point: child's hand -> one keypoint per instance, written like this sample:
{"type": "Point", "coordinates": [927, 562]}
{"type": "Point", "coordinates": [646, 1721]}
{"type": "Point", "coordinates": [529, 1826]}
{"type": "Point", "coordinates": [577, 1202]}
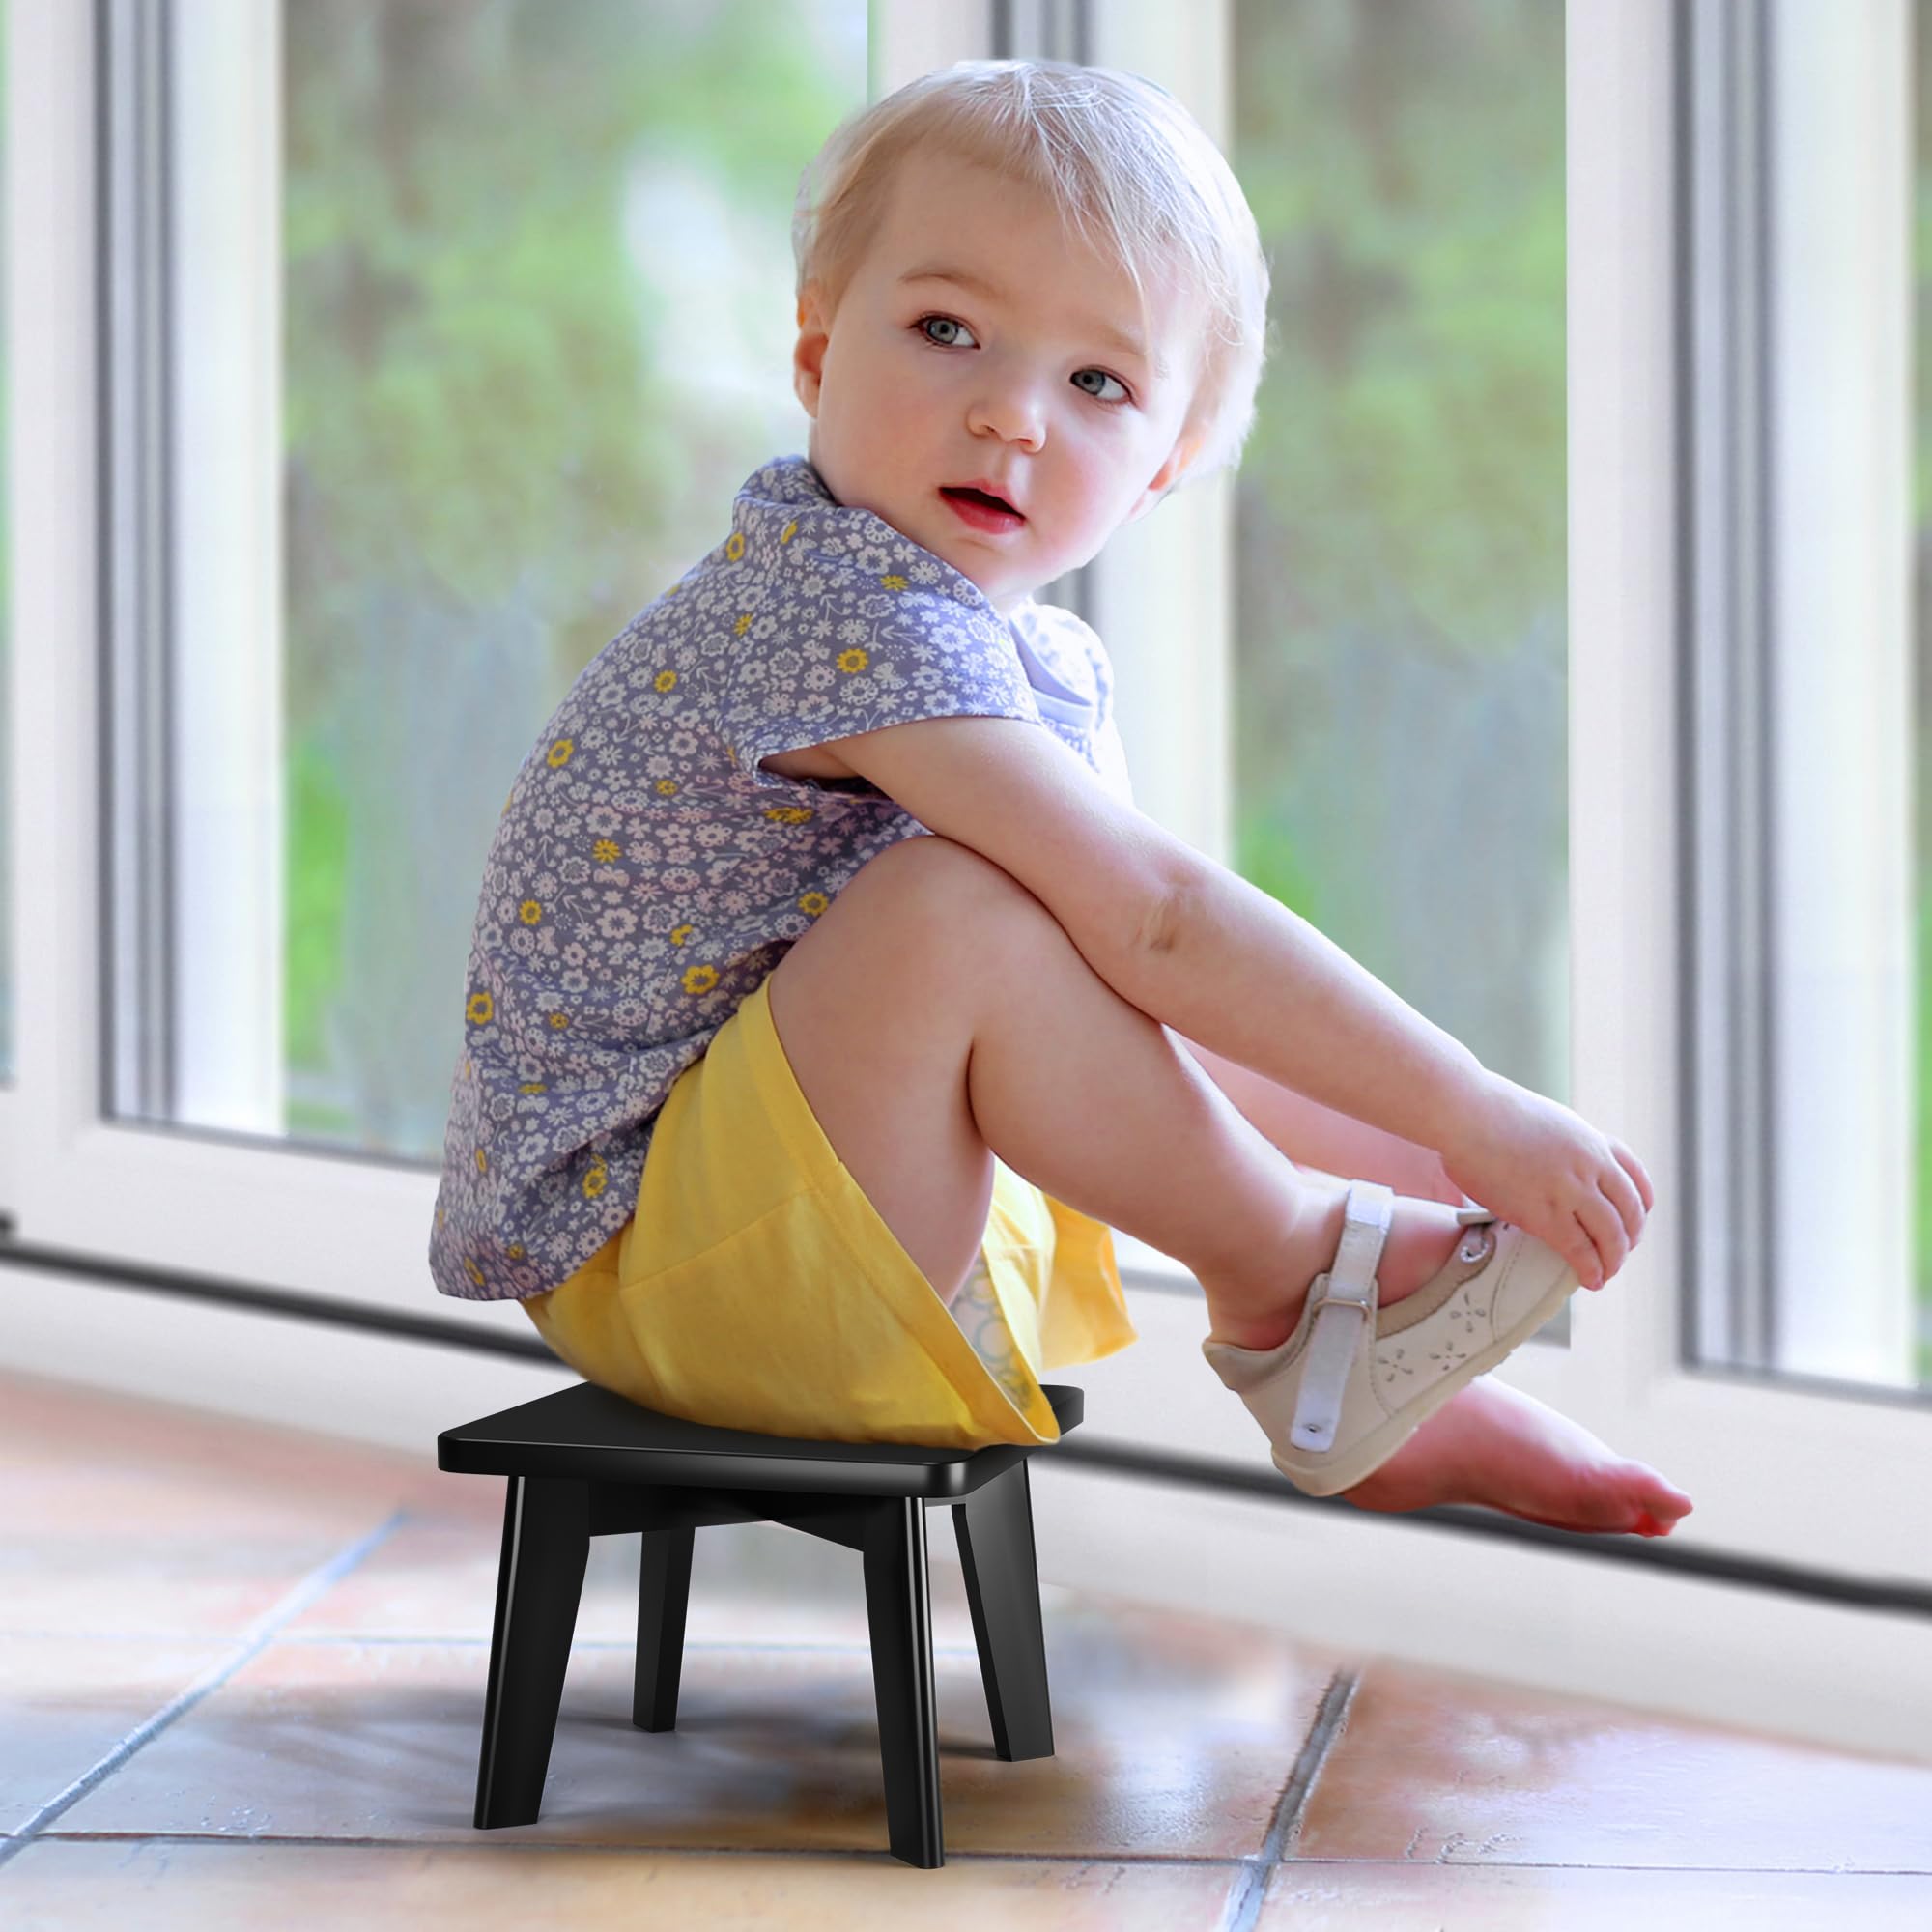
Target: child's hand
{"type": "Point", "coordinates": [1531, 1161]}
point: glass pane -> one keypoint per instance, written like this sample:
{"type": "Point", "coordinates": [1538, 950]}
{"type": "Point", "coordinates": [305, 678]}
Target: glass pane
{"type": "Point", "coordinates": [6, 656]}
{"type": "Point", "coordinates": [537, 320]}
{"type": "Point", "coordinates": [1401, 755]}
{"type": "Point", "coordinates": [1796, 917]}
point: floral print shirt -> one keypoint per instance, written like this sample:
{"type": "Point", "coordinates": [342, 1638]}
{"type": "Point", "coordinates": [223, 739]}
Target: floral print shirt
{"type": "Point", "coordinates": [646, 873]}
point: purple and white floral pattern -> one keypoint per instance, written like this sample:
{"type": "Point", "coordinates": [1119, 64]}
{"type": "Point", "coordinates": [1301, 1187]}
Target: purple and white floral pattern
{"type": "Point", "coordinates": [646, 874]}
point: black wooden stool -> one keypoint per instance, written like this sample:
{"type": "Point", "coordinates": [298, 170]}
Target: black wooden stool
{"type": "Point", "coordinates": [586, 1463]}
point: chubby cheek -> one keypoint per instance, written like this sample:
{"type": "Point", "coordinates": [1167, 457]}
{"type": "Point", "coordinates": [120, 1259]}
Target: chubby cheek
{"type": "Point", "coordinates": [855, 383]}
{"type": "Point", "coordinates": [860, 432]}
{"type": "Point", "coordinates": [1102, 494]}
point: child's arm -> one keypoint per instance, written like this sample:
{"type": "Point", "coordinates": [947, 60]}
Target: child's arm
{"type": "Point", "coordinates": [1199, 948]}
{"type": "Point", "coordinates": [1318, 1137]}
{"type": "Point", "coordinates": [1173, 934]}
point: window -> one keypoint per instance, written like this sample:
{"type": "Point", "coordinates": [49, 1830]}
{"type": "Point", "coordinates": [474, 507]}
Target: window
{"type": "Point", "coordinates": [502, 388]}
{"type": "Point", "coordinates": [354, 527]}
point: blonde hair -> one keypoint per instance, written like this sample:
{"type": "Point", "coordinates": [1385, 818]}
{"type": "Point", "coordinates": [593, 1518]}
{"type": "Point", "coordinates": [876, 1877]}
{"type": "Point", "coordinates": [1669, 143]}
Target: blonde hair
{"type": "Point", "coordinates": [1118, 155]}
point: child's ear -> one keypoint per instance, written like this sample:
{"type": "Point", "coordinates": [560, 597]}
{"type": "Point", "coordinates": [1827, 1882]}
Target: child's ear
{"type": "Point", "coordinates": [807, 357]}
{"type": "Point", "coordinates": [1169, 472]}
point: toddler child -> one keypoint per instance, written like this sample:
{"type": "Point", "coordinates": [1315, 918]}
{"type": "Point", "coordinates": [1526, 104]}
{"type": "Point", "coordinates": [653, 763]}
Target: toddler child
{"type": "Point", "coordinates": [825, 1001]}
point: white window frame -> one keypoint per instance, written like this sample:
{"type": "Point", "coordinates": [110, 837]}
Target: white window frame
{"type": "Point", "coordinates": [1760, 1458]}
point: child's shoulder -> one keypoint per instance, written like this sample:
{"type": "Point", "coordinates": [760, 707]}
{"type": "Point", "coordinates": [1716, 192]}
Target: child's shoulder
{"type": "Point", "coordinates": [1068, 633]}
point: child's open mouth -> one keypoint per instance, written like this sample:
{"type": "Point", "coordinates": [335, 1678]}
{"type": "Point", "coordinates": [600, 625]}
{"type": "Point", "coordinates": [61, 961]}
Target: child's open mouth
{"type": "Point", "coordinates": [981, 511]}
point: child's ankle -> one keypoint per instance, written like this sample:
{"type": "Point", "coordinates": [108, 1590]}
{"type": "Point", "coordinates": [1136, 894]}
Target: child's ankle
{"type": "Point", "coordinates": [1261, 1316]}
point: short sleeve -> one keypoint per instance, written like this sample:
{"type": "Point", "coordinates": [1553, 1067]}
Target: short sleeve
{"type": "Point", "coordinates": [838, 653]}
{"type": "Point", "coordinates": [1067, 639]}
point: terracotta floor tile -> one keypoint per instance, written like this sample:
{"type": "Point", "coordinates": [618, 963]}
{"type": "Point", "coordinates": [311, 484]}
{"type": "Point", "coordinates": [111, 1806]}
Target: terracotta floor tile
{"type": "Point", "coordinates": [1432, 1767]}
{"type": "Point", "coordinates": [1166, 1744]}
{"type": "Point", "coordinates": [1503, 1898]}
{"type": "Point", "coordinates": [172, 1887]}
{"type": "Point", "coordinates": [149, 1492]}
{"type": "Point", "coordinates": [41, 1413]}
{"type": "Point", "coordinates": [65, 1701]}
{"type": "Point", "coordinates": [166, 1532]}
{"type": "Point", "coordinates": [123, 1518]}
{"type": "Point", "coordinates": [137, 1584]}
{"type": "Point", "coordinates": [70, 1456]}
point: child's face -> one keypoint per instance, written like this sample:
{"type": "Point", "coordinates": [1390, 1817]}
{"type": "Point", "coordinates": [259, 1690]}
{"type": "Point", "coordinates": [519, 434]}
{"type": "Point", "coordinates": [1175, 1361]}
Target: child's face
{"type": "Point", "coordinates": [1025, 389]}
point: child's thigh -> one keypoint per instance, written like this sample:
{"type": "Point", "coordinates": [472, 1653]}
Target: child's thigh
{"type": "Point", "coordinates": [876, 1009]}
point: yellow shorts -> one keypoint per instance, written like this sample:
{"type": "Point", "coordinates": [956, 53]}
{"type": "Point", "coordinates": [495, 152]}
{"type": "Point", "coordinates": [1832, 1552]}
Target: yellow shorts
{"type": "Point", "coordinates": [756, 1287]}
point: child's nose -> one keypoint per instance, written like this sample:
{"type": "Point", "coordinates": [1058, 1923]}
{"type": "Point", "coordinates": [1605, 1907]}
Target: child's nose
{"type": "Point", "coordinates": [1011, 410]}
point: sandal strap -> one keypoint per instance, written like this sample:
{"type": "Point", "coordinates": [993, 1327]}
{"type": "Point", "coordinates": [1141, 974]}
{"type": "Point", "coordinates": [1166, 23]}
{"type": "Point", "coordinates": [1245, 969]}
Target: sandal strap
{"type": "Point", "coordinates": [1343, 1300]}
{"type": "Point", "coordinates": [1366, 1217]}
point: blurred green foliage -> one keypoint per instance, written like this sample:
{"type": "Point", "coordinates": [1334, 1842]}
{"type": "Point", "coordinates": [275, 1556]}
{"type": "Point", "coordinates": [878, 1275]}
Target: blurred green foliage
{"type": "Point", "coordinates": [481, 444]}
{"type": "Point", "coordinates": [1402, 632]}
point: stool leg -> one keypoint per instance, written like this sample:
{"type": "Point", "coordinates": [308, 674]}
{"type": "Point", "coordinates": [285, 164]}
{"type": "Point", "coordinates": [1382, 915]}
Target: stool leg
{"type": "Point", "coordinates": [539, 1580]}
{"type": "Point", "coordinates": [900, 1611]}
{"type": "Point", "coordinates": [994, 1526]}
{"type": "Point", "coordinates": [664, 1591]}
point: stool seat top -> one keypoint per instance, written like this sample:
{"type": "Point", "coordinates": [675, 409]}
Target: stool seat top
{"type": "Point", "coordinates": [591, 1431]}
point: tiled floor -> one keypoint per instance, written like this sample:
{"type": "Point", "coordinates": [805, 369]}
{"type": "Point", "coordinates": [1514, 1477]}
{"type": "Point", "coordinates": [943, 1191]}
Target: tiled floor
{"type": "Point", "coordinates": [242, 1678]}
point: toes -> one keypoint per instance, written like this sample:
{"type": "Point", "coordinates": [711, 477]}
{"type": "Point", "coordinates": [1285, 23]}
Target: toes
{"type": "Point", "coordinates": [1667, 1505]}
{"type": "Point", "coordinates": [1662, 1519]}
{"type": "Point", "coordinates": [1651, 1498]}
{"type": "Point", "coordinates": [1603, 1508]}
{"type": "Point", "coordinates": [1626, 1499]}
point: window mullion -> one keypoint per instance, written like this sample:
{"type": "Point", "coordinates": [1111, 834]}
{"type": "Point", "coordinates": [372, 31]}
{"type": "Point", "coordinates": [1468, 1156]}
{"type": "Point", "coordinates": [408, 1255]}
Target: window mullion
{"type": "Point", "coordinates": [1838, 777]}
{"type": "Point", "coordinates": [222, 511]}
{"type": "Point", "coordinates": [138, 1045]}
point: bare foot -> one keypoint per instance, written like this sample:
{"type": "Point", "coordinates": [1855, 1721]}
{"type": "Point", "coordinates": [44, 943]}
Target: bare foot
{"type": "Point", "coordinates": [1422, 1236]}
{"type": "Point", "coordinates": [1494, 1445]}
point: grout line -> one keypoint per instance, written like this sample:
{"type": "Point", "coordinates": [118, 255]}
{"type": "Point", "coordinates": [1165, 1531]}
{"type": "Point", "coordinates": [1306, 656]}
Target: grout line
{"type": "Point", "coordinates": [252, 1639]}
{"type": "Point", "coordinates": [1250, 1888]}
{"type": "Point", "coordinates": [1324, 1735]}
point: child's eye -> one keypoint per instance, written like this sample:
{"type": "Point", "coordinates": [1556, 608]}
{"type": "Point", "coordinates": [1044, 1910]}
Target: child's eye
{"type": "Point", "coordinates": [950, 322]}
{"type": "Point", "coordinates": [1125, 395]}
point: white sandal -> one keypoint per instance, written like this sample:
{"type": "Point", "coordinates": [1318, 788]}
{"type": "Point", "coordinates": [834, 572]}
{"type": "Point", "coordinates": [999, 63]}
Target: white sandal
{"type": "Point", "coordinates": [1349, 1386]}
